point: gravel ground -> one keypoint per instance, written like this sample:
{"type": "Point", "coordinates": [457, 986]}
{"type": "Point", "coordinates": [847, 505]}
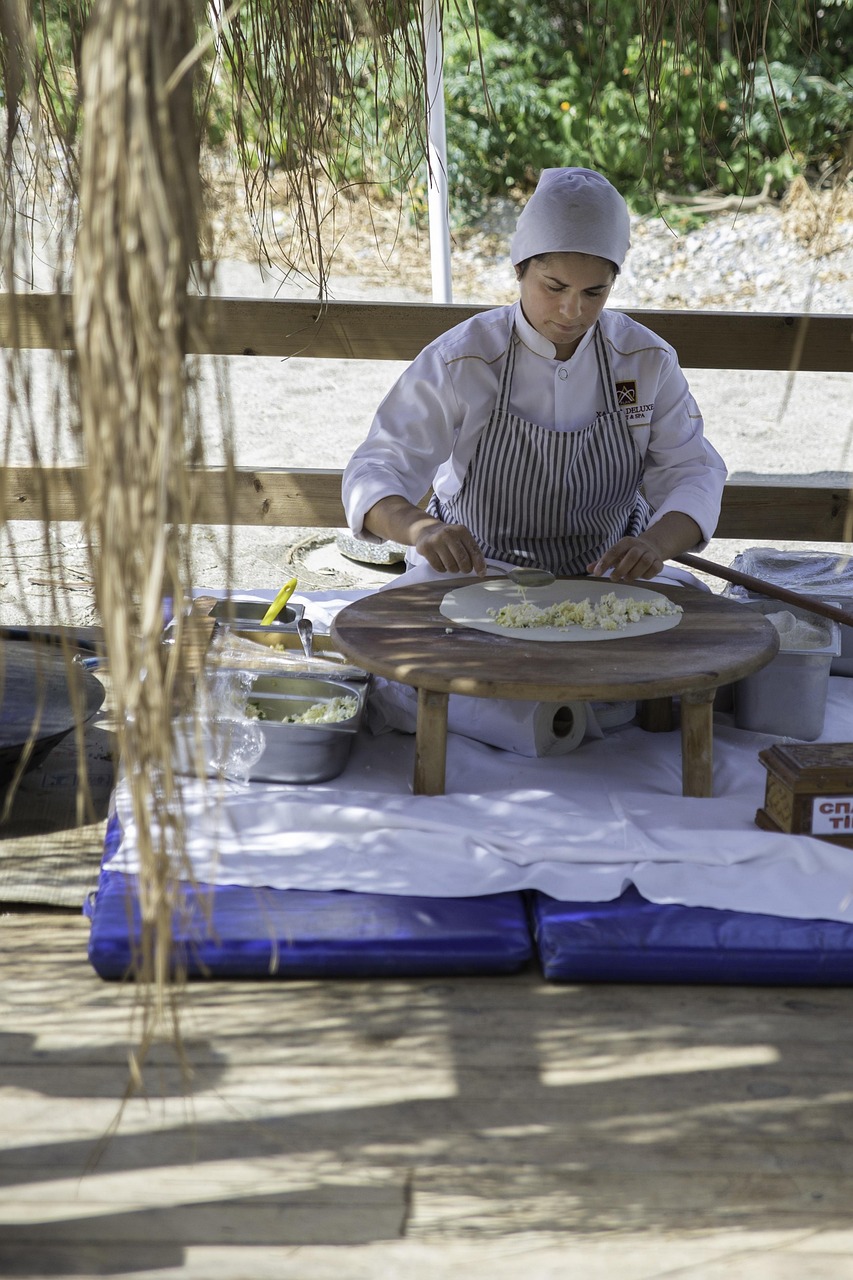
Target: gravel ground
{"type": "Point", "coordinates": [310, 413]}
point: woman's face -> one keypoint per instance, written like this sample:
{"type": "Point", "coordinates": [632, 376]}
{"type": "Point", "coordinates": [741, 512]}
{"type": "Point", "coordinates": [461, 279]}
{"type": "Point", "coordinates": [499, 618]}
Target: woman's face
{"type": "Point", "coordinates": [563, 294]}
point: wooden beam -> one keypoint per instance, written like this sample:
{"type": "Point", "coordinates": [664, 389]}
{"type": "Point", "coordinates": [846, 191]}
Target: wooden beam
{"type": "Point", "coordinates": [275, 497]}
{"type": "Point", "coordinates": [40, 321]}
{"type": "Point", "coordinates": [728, 340]}
{"type": "Point", "coordinates": [41, 493]}
{"type": "Point", "coordinates": [788, 512]}
{"type": "Point", "coordinates": [398, 331]}
{"type": "Point", "coordinates": [284, 497]}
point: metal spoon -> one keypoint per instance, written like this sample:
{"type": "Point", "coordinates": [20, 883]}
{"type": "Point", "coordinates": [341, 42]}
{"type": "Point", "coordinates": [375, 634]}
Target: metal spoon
{"type": "Point", "coordinates": [305, 630]}
{"type": "Point", "coordinates": [531, 577]}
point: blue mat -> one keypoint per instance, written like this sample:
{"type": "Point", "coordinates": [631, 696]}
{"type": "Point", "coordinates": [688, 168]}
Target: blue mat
{"type": "Point", "coordinates": [632, 940]}
{"type": "Point", "coordinates": [228, 931]}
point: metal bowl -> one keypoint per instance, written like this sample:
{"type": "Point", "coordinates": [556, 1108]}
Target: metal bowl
{"type": "Point", "coordinates": [301, 753]}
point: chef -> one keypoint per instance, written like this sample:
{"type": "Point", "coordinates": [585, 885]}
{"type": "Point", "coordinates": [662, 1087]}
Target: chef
{"type": "Point", "coordinates": [552, 432]}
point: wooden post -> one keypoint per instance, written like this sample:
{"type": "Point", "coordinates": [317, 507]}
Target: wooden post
{"type": "Point", "coordinates": [656, 715]}
{"type": "Point", "coordinates": [430, 744]}
{"type": "Point", "coordinates": [697, 743]}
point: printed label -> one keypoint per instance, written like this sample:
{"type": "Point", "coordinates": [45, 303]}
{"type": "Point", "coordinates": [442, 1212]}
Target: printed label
{"type": "Point", "coordinates": [832, 815]}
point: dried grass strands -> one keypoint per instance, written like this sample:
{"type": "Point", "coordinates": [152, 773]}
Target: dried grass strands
{"type": "Point", "coordinates": [139, 203]}
{"type": "Point", "coordinates": [301, 128]}
{"type": "Point", "coordinates": [36, 220]}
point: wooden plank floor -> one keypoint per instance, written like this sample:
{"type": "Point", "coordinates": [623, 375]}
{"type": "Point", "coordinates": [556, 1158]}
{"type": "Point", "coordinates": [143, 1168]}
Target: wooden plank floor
{"type": "Point", "coordinates": [495, 1127]}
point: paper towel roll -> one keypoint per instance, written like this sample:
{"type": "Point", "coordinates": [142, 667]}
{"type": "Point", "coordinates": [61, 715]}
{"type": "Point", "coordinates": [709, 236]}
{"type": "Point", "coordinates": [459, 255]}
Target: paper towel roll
{"type": "Point", "coordinates": [527, 728]}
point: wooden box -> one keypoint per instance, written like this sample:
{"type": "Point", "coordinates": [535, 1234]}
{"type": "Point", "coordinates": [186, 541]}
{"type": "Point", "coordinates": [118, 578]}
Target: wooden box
{"type": "Point", "coordinates": [809, 790]}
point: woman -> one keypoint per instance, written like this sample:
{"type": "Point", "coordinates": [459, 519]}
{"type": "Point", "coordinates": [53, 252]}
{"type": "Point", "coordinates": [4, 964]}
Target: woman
{"type": "Point", "coordinates": [554, 434]}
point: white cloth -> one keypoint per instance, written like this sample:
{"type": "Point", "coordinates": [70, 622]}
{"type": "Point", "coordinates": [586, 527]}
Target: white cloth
{"type": "Point", "coordinates": [426, 430]}
{"type": "Point", "coordinates": [580, 828]}
{"type": "Point", "coordinates": [573, 211]}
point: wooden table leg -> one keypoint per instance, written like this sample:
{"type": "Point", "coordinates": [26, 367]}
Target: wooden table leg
{"type": "Point", "coordinates": [697, 744]}
{"type": "Point", "coordinates": [656, 715]}
{"type": "Point", "coordinates": [430, 743]}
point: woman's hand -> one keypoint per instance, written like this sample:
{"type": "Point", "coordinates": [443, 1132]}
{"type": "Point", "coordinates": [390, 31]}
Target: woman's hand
{"type": "Point", "coordinates": [449, 548]}
{"type": "Point", "coordinates": [629, 559]}
{"type": "Point", "coordinates": [644, 556]}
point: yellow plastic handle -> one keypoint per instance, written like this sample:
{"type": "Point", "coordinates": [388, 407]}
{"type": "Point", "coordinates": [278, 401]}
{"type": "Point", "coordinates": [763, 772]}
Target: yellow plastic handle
{"type": "Point", "coordinates": [280, 601]}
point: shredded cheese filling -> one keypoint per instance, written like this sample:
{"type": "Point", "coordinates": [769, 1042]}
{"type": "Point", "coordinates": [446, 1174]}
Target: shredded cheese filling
{"type": "Point", "coordinates": [329, 712]}
{"type": "Point", "coordinates": [611, 613]}
{"type": "Point", "coordinates": [326, 712]}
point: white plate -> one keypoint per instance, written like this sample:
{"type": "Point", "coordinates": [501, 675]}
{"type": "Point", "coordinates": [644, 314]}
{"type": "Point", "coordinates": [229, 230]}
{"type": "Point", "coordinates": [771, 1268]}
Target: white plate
{"type": "Point", "coordinates": [471, 606]}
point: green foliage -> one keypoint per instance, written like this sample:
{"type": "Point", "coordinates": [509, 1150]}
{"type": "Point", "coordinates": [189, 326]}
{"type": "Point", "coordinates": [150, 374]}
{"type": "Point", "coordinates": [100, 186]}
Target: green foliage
{"type": "Point", "coordinates": [570, 82]}
{"type": "Point", "coordinates": [805, 114]}
{"type": "Point", "coordinates": [658, 96]}
{"type": "Point", "coordinates": [59, 27]}
{"type": "Point", "coordinates": [573, 83]}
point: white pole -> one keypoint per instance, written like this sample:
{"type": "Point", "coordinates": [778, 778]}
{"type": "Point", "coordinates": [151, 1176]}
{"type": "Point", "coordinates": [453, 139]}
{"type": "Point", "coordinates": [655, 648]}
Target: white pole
{"type": "Point", "coordinates": [438, 203]}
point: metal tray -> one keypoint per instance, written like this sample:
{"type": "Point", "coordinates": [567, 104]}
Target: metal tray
{"type": "Point", "coordinates": [239, 613]}
{"type": "Point", "coordinates": [324, 652]}
{"type": "Point", "coordinates": [301, 753]}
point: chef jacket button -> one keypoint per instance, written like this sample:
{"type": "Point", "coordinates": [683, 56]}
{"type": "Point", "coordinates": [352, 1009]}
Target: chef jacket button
{"type": "Point", "coordinates": [563, 373]}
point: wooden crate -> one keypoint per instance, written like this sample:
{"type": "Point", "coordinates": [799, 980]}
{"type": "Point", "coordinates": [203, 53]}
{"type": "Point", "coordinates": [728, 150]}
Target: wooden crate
{"type": "Point", "coordinates": [809, 790]}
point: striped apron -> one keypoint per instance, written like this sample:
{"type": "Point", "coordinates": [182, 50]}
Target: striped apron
{"type": "Point", "coordinates": [550, 499]}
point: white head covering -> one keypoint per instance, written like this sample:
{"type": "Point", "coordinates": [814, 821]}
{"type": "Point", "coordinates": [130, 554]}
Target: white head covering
{"type": "Point", "coordinates": [573, 211]}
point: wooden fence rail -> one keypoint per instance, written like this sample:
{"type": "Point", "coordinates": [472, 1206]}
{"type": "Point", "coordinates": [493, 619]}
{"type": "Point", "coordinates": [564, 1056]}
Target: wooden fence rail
{"type": "Point", "coordinates": [312, 499]}
{"type": "Point", "coordinates": [773, 509]}
{"type": "Point", "coordinates": [399, 330]}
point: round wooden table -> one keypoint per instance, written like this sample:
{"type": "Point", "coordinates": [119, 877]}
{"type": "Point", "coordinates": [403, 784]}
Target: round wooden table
{"type": "Point", "coordinates": [400, 634]}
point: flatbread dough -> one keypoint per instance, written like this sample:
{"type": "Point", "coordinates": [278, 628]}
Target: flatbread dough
{"type": "Point", "coordinates": [471, 607]}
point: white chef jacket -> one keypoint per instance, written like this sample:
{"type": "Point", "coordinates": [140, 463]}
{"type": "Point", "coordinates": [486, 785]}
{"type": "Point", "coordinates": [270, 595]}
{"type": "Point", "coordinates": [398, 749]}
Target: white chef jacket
{"type": "Point", "coordinates": [426, 429]}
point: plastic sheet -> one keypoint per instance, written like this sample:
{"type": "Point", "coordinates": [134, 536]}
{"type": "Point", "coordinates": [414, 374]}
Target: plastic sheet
{"type": "Point", "coordinates": [812, 572]}
{"type": "Point", "coordinates": [230, 651]}
{"type": "Point", "coordinates": [632, 940]}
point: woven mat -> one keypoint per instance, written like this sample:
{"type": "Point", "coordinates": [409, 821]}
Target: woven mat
{"type": "Point", "coordinates": [50, 855]}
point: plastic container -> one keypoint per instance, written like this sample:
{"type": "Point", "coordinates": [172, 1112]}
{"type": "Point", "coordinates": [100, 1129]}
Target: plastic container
{"type": "Point", "coordinates": [268, 749]}
{"type": "Point", "coordinates": [827, 576]}
{"type": "Point", "coordinates": [788, 696]}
